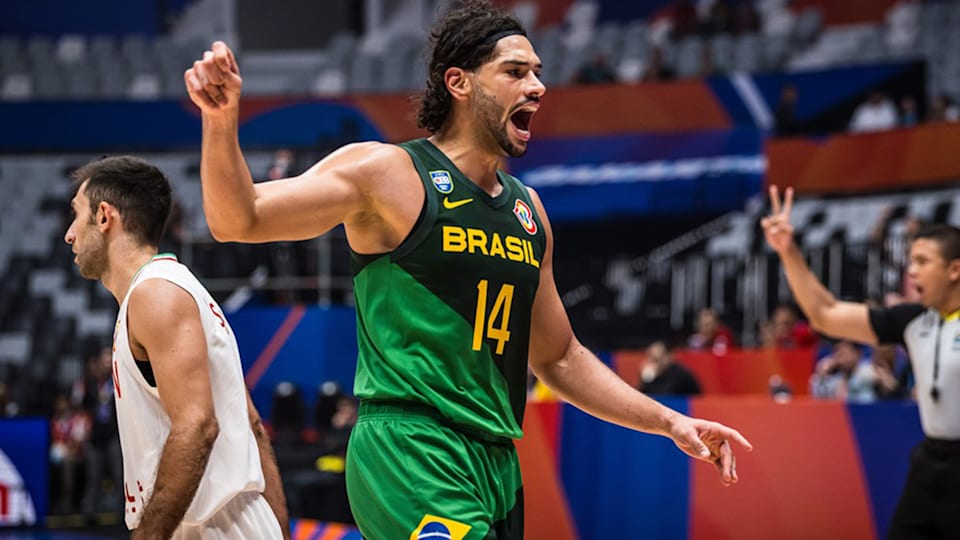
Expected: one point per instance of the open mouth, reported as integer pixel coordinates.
(521, 121)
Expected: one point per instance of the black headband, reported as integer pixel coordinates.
(493, 38)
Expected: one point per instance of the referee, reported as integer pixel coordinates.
(929, 505)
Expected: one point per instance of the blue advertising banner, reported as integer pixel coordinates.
(300, 345)
(23, 471)
(582, 178)
(170, 125)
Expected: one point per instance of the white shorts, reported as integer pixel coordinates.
(246, 517)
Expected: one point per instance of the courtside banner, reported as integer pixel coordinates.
(908, 158)
(23, 471)
(582, 178)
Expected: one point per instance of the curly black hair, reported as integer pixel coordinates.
(461, 38)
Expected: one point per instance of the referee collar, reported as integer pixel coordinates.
(950, 316)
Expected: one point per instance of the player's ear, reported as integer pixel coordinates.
(458, 83)
(953, 270)
(106, 213)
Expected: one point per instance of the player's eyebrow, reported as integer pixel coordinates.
(525, 63)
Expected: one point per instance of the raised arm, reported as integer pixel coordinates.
(334, 191)
(848, 320)
(576, 374)
(165, 328)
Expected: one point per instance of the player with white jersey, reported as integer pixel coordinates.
(196, 460)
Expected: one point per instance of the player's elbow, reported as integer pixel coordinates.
(207, 429)
(220, 234)
(231, 232)
(819, 324)
(232, 227)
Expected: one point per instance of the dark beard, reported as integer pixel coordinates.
(93, 263)
(490, 113)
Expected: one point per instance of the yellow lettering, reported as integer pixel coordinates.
(460, 240)
(496, 247)
(515, 250)
(476, 239)
(454, 239)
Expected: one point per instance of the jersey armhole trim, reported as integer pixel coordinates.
(428, 213)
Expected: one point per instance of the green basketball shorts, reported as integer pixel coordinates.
(411, 475)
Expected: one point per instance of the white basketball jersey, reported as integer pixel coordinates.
(234, 464)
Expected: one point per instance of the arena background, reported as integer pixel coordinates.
(652, 165)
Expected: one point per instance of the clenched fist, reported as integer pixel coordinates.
(214, 82)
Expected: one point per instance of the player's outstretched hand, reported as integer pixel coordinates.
(776, 227)
(710, 441)
(214, 82)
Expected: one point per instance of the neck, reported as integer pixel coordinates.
(471, 156)
(125, 259)
(950, 303)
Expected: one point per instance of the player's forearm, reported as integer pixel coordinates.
(182, 463)
(273, 490)
(582, 379)
(228, 192)
(807, 289)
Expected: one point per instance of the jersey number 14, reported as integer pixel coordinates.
(484, 322)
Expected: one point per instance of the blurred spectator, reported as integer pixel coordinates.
(718, 19)
(892, 242)
(596, 71)
(745, 18)
(908, 112)
(8, 407)
(287, 414)
(942, 109)
(660, 374)
(341, 424)
(656, 69)
(845, 374)
(69, 434)
(282, 165)
(684, 18)
(876, 114)
(326, 406)
(892, 372)
(786, 331)
(780, 391)
(786, 115)
(711, 335)
(285, 257)
(104, 463)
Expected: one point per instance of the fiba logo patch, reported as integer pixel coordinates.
(442, 181)
(525, 217)
(438, 528)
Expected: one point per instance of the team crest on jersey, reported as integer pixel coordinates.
(438, 528)
(525, 217)
(442, 181)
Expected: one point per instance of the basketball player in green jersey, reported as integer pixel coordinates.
(454, 286)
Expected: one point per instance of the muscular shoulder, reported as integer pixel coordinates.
(156, 310)
(363, 162)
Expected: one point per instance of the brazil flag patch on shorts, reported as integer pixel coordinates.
(438, 528)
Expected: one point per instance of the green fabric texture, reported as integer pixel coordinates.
(405, 470)
(444, 320)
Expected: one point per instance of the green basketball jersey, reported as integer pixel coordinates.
(444, 319)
